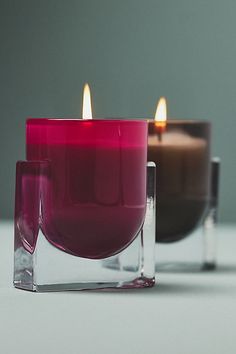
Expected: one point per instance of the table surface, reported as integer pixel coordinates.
(184, 313)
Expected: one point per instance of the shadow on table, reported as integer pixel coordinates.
(171, 289)
(192, 289)
(225, 268)
(183, 280)
(188, 282)
(193, 268)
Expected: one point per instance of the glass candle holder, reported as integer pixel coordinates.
(80, 202)
(182, 156)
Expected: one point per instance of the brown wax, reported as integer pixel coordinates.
(182, 184)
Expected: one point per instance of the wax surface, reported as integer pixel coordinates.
(182, 159)
(94, 193)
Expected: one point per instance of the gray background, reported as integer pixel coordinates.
(131, 52)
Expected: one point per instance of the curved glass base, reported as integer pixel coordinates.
(198, 251)
(193, 254)
(48, 268)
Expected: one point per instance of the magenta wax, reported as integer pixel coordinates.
(93, 195)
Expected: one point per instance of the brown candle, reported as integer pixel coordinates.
(182, 157)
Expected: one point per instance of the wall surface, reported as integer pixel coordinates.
(131, 52)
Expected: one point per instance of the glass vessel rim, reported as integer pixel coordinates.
(184, 121)
(80, 120)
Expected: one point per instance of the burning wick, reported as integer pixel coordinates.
(160, 117)
(87, 106)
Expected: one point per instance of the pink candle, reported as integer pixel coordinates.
(93, 194)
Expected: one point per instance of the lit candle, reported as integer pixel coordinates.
(180, 150)
(160, 118)
(94, 196)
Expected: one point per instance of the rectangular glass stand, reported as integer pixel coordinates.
(198, 251)
(48, 268)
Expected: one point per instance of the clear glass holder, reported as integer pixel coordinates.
(211, 219)
(197, 251)
(48, 268)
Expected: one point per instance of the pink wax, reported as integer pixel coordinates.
(93, 194)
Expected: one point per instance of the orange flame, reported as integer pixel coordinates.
(161, 114)
(87, 106)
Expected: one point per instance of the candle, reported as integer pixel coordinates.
(180, 150)
(93, 195)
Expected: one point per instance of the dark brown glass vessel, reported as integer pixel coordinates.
(182, 156)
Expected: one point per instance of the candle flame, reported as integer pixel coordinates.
(161, 114)
(87, 106)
